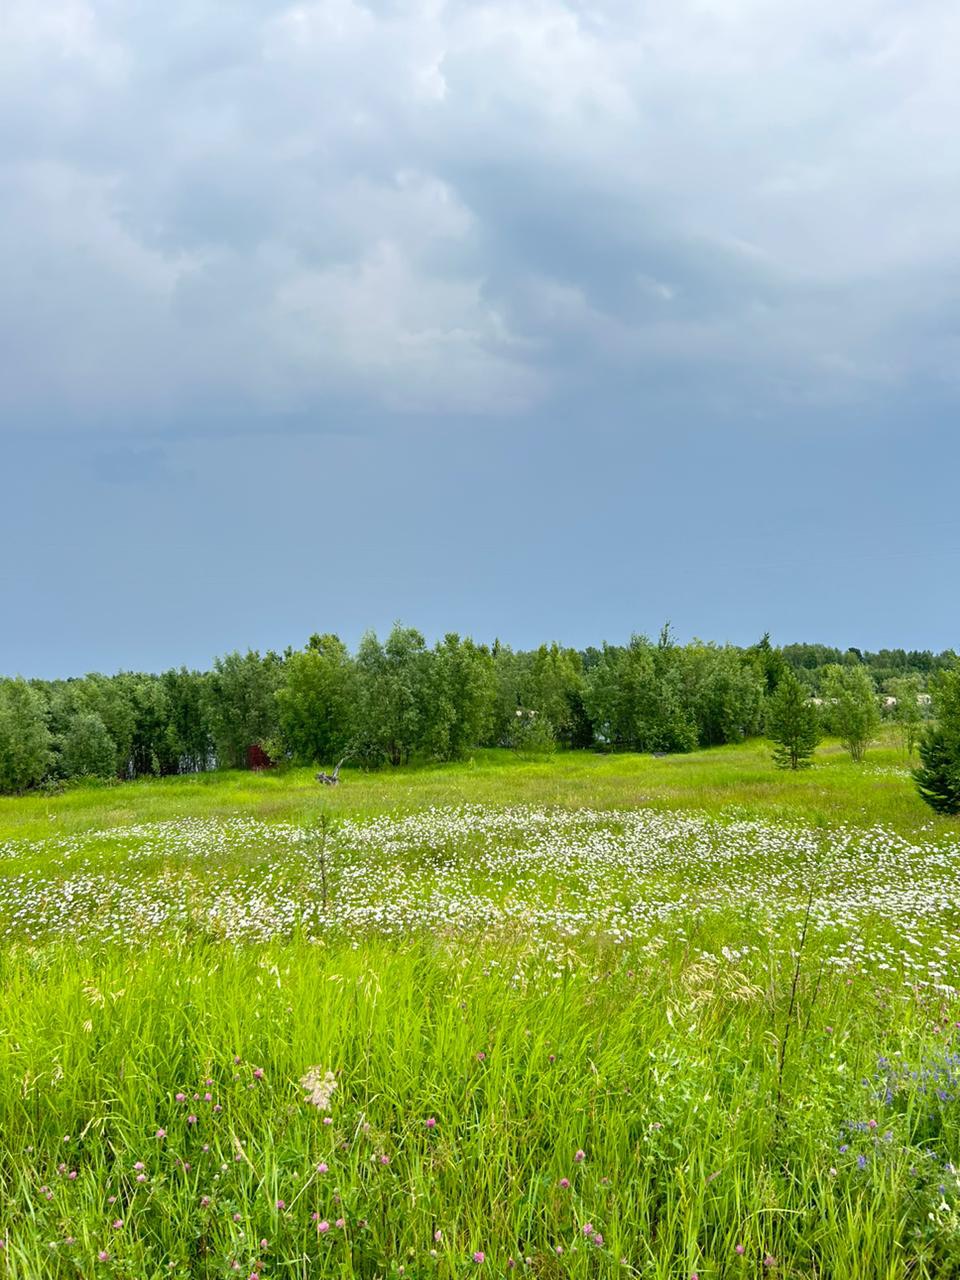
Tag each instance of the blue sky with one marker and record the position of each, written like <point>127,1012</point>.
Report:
<point>533,320</point>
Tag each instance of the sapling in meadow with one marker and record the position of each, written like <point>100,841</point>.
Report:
<point>852,710</point>
<point>792,723</point>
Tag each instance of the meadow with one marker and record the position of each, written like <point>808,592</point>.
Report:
<point>578,1016</point>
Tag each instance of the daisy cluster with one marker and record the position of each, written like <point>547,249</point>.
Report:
<point>879,899</point>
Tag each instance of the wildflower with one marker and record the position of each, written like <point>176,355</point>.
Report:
<point>117,1224</point>
<point>161,1133</point>
<point>281,1204</point>
<point>139,1166</point>
<point>238,1217</point>
<point>564,1183</point>
<point>438,1235</point>
<point>431,1122</point>
<point>588,1228</point>
<point>384,1159</point>
<point>141,1177</point>
<point>739,1250</point>
<point>479,1256</point>
<point>341,1223</point>
<point>263,1244</point>
<point>321,1167</point>
<point>103,1256</point>
<point>258,1073</point>
<point>204,1202</point>
<point>579,1157</point>
<point>861,1161</point>
<point>320,1087</point>
<point>323,1227</point>
<point>72,1175</point>
<point>181,1097</point>
<point>597,1239</point>
<point>769,1260</point>
<point>191,1119</point>
<point>481,1056</point>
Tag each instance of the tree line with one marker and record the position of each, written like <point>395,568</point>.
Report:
<point>396,700</point>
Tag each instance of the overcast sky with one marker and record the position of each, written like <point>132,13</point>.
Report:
<point>533,320</point>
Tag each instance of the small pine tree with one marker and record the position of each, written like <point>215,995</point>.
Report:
<point>938,777</point>
<point>792,724</point>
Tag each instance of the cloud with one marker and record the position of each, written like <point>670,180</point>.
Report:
<point>419,208</point>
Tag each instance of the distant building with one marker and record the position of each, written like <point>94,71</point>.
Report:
<point>257,758</point>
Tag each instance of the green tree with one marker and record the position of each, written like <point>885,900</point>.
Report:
<point>109,698</point>
<point>553,687</point>
<point>189,746</point>
<point>636,697</point>
<point>462,697</point>
<point>88,750</point>
<point>241,704</point>
<point>769,663</point>
<point>313,703</point>
<point>907,711</point>
<point>25,743</point>
<point>723,692</point>
<point>792,723</point>
<point>390,709</point>
<point>852,712</point>
<point>938,776</point>
<point>150,748</point>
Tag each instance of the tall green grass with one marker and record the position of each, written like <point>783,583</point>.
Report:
<point>663,1074</point>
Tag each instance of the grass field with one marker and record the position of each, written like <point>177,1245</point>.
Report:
<point>588,1016</point>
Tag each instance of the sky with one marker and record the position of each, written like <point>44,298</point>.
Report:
<point>532,320</point>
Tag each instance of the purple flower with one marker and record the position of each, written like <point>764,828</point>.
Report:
<point>479,1256</point>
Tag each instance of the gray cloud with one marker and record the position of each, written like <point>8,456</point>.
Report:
<point>473,208</point>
